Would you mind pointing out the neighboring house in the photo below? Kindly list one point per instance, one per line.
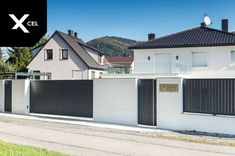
(198, 50)
(67, 57)
(119, 64)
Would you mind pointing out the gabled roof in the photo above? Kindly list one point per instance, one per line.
(119, 61)
(37, 49)
(80, 48)
(195, 37)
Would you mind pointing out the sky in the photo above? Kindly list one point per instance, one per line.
(134, 19)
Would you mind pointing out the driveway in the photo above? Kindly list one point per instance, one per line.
(75, 139)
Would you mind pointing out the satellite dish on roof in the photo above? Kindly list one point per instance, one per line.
(207, 20)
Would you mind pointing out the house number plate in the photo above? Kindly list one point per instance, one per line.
(169, 88)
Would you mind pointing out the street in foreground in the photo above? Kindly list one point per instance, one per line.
(74, 139)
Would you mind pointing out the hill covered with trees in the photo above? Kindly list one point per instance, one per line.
(113, 46)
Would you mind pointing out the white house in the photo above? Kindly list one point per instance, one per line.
(67, 57)
(197, 51)
(186, 80)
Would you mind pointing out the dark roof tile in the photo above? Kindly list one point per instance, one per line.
(195, 37)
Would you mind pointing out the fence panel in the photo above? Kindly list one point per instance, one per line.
(210, 96)
(62, 97)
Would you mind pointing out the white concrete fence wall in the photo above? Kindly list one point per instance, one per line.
(20, 96)
(170, 114)
(2, 96)
(115, 101)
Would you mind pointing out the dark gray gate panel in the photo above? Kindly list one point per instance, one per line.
(66, 97)
(147, 102)
(211, 96)
(8, 96)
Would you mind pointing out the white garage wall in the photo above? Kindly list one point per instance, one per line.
(20, 96)
(115, 101)
(170, 114)
(2, 96)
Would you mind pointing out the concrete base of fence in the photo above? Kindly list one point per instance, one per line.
(2, 96)
(20, 96)
(115, 101)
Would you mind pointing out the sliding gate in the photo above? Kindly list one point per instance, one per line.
(147, 102)
(62, 97)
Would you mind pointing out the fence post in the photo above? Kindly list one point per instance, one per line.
(20, 96)
(2, 96)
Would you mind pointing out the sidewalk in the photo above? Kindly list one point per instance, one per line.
(75, 137)
(87, 123)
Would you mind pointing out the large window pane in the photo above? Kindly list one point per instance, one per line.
(199, 59)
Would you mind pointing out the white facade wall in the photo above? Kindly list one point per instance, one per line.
(98, 73)
(170, 114)
(115, 101)
(20, 96)
(218, 58)
(60, 69)
(2, 96)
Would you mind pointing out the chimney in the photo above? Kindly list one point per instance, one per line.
(70, 33)
(76, 35)
(151, 36)
(203, 24)
(225, 25)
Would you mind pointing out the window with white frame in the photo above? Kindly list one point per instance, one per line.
(233, 56)
(64, 54)
(48, 54)
(199, 59)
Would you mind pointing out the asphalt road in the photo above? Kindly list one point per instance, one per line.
(87, 140)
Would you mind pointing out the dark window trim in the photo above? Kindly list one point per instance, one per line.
(46, 55)
(61, 54)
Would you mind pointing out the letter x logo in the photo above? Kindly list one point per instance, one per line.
(19, 23)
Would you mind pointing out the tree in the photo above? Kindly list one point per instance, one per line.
(5, 67)
(41, 41)
(19, 57)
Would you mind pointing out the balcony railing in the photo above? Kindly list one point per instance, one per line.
(160, 67)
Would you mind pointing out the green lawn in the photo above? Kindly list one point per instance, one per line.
(8, 149)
